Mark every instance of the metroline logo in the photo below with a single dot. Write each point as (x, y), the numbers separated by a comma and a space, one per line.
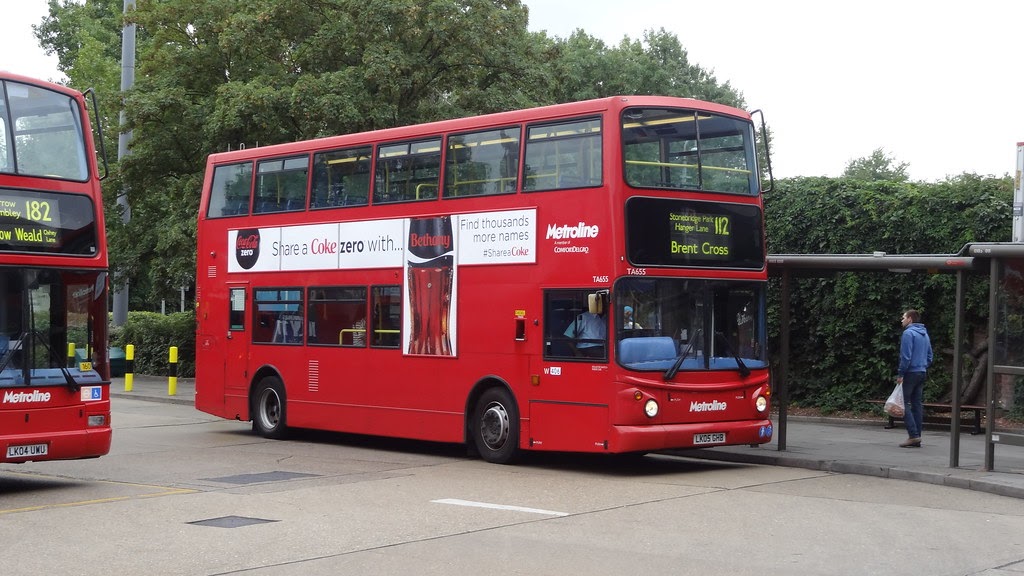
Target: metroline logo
(11, 397)
(713, 406)
(580, 230)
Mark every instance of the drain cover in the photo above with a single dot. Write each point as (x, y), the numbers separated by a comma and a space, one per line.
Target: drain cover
(261, 477)
(231, 522)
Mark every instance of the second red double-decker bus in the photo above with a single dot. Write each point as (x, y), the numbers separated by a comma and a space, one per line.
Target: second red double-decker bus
(53, 277)
(583, 277)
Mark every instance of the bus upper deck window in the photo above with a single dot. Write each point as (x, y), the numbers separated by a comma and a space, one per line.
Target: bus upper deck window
(563, 155)
(230, 191)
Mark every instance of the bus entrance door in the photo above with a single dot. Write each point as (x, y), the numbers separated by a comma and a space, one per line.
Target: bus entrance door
(236, 345)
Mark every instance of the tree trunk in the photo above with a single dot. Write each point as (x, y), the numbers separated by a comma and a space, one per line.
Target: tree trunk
(970, 393)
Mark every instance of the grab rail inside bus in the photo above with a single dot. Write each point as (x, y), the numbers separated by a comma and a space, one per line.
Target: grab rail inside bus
(353, 332)
(687, 166)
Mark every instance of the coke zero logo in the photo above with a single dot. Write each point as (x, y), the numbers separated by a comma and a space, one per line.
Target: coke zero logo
(247, 247)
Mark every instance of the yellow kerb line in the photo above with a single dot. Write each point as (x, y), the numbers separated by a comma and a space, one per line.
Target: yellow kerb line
(165, 492)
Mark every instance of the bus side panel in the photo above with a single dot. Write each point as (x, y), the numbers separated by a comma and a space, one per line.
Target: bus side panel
(432, 426)
(209, 389)
(569, 427)
(375, 391)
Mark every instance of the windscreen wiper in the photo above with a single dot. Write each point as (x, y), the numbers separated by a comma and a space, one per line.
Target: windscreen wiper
(55, 359)
(671, 372)
(6, 359)
(744, 371)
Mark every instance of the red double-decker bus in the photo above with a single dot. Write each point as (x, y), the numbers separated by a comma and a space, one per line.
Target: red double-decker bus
(53, 277)
(584, 277)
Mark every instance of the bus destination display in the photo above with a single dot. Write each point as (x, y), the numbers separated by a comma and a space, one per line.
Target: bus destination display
(699, 234)
(671, 232)
(28, 221)
(45, 222)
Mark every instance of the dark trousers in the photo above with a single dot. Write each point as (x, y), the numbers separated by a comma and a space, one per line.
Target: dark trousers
(913, 403)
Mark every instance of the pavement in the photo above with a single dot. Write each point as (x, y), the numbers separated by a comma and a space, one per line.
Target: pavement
(834, 445)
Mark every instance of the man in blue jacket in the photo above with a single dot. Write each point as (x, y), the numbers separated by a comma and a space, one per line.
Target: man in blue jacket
(915, 357)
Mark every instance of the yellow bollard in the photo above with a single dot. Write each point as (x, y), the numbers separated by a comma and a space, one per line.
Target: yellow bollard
(71, 354)
(172, 378)
(129, 367)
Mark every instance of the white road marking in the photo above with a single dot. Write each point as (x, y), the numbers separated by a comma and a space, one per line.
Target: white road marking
(457, 502)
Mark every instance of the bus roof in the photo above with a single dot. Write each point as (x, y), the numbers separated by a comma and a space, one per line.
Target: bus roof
(5, 75)
(553, 111)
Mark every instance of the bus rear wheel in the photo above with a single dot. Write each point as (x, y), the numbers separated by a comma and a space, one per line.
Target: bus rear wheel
(268, 408)
(495, 426)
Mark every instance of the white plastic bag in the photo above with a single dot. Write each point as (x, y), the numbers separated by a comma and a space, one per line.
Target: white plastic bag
(894, 405)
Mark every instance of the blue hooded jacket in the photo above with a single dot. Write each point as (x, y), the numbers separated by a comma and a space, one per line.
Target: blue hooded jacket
(915, 349)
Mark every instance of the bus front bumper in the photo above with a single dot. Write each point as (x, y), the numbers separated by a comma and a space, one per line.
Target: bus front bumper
(689, 435)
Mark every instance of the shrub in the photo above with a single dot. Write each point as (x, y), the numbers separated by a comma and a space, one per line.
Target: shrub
(153, 334)
(845, 326)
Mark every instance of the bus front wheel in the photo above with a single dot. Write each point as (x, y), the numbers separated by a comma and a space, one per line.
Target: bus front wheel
(268, 408)
(495, 426)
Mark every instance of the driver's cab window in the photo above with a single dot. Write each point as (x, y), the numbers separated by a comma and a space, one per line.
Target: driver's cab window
(576, 325)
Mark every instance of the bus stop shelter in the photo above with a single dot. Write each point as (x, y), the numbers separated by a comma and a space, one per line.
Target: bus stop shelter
(1004, 264)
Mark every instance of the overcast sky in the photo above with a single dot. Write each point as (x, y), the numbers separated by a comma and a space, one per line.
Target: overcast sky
(936, 84)
(19, 50)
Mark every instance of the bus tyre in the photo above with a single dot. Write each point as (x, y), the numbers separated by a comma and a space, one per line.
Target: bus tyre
(268, 408)
(495, 426)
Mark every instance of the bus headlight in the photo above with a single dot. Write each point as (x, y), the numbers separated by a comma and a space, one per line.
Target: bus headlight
(651, 408)
(97, 420)
(761, 403)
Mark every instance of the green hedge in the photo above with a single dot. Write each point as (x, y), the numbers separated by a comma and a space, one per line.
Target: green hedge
(845, 327)
(153, 334)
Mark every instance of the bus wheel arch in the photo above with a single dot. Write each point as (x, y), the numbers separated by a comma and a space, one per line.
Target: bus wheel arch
(492, 423)
(268, 406)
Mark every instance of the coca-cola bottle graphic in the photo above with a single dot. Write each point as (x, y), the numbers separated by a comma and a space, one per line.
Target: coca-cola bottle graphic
(430, 271)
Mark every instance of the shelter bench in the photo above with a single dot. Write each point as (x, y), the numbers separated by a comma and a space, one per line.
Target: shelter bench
(939, 413)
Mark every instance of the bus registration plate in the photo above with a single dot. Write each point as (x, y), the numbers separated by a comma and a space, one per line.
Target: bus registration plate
(27, 450)
(712, 438)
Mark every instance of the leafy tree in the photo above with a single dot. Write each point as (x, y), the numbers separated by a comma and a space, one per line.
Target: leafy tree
(86, 38)
(877, 166)
(215, 75)
(582, 67)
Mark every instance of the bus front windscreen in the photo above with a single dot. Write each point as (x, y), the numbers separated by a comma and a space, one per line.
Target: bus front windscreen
(42, 311)
(710, 324)
(688, 150)
(41, 133)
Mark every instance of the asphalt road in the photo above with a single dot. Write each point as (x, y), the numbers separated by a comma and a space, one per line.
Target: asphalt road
(185, 493)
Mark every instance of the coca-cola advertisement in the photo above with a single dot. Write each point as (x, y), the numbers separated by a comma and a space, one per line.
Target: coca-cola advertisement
(247, 247)
(430, 274)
